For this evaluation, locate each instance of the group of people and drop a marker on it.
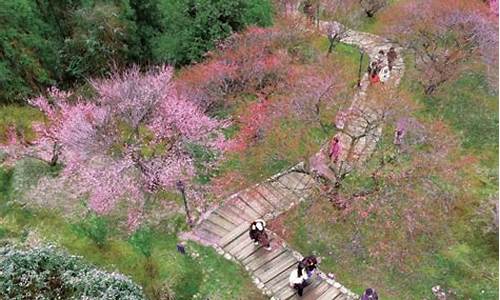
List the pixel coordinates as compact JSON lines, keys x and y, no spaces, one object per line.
{"x":380,"y":68}
{"x":301,"y":276}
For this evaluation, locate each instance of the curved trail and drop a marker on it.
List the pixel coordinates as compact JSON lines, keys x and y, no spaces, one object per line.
{"x":360,"y":134}
{"x":226,"y":227}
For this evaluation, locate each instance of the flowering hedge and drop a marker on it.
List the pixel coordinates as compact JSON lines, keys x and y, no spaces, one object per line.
{"x":48,"y":273}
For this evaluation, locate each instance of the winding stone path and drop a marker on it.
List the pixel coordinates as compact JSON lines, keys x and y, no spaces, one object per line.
{"x":361,"y":132}
{"x":226,"y":227}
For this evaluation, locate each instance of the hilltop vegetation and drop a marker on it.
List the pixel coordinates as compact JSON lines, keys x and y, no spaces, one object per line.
{"x":213,"y":96}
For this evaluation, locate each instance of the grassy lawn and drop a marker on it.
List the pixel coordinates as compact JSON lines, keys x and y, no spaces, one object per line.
{"x":149,"y":256}
{"x":19,"y":117}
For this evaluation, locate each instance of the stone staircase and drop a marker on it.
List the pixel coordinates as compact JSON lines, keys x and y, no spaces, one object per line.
{"x":226,"y":227}
{"x":360,"y":135}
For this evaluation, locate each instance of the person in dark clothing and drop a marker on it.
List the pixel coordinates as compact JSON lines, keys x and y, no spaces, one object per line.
{"x":369,"y":294}
{"x":258,"y":235}
{"x":391,"y":57}
{"x":379,"y":58}
{"x":309,"y":264}
{"x":264,"y":241}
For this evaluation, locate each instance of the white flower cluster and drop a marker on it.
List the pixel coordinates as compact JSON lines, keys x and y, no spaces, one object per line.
{"x":48,"y":273}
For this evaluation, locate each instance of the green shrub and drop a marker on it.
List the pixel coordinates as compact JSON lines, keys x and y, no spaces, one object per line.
{"x":29,"y":52}
{"x":48,"y":273}
{"x":192,"y":27}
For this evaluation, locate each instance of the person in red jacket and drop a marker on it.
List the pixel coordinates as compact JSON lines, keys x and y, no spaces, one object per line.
{"x":374,"y":78}
{"x":335,"y":149}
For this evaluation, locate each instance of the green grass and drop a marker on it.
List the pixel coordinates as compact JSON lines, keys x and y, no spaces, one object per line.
{"x":206,"y":274}
{"x":19,"y":117}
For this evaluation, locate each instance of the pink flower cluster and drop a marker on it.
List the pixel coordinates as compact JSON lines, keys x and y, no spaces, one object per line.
{"x":130,"y":140}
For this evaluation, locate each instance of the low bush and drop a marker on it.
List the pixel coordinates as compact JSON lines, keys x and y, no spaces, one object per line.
{"x":49,"y":273}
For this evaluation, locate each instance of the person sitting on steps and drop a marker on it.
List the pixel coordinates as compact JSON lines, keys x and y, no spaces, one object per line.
{"x":258,"y":234}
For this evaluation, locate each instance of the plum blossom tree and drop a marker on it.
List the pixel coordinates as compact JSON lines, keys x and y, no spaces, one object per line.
{"x":443,"y":35}
{"x":313,"y":90}
{"x":128,"y":142}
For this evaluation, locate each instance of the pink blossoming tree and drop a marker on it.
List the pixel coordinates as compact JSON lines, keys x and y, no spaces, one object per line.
{"x":445,"y":36}
{"x":128,"y":142}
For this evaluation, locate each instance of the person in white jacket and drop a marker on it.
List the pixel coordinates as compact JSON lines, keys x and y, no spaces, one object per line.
{"x":300,"y":277}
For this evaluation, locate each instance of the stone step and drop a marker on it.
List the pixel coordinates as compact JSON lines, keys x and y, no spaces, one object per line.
{"x":207,"y":235}
{"x":257,"y":202}
{"x":254,"y":193}
{"x":261,"y":257}
{"x":344,"y":297}
{"x":234,"y":234}
{"x":271,"y":264}
{"x":288,"y":196}
{"x":288,"y":181}
{"x":241,"y":206}
{"x":287,"y":293}
{"x":317,"y":291}
{"x":330,"y":294}
{"x":247,"y":251}
{"x":253,"y":204}
{"x":229,"y":216}
{"x":272,"y":196}
{"x":214,"y":218}
{"x":238,"y":243}
{"x":278,"y":268}
{"x":214,"y":228}
{"x":280,"y":281}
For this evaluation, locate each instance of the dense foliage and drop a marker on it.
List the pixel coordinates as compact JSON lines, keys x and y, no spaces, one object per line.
{"x":47,"y":273}
{"x":190,"y":28}
{"x":48,"y":42}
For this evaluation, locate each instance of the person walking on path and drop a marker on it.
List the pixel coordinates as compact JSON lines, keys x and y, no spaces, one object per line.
{"x":369,"y":294}
{"x":258,"y":234}
{"x":335,"y":149}
{"x":391,"y":57}
{"x":398,"y":136}
{"x":300,"y":278}
{"x":379,"y":58}
{"x":373,"y":68}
